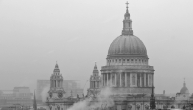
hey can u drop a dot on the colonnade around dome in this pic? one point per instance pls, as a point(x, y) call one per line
point(130, 82)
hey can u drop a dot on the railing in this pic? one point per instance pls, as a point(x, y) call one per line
point(128, 67)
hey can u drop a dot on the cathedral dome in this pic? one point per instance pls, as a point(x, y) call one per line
point(184, 89)
point(127, 45)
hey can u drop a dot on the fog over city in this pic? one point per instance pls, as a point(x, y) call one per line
point(34, 34)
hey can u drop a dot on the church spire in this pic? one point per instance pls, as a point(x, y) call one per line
point(56, 69)
point(95, 71)
point(127, 23)
point(127, 7)
point(34, 102)
point(95, 66)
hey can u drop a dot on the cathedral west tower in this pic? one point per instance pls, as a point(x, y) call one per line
point(127, 70)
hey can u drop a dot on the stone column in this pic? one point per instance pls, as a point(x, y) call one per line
point(128, 79)
point(120, 80)
point(125, 79)
point(111, 79)
point(107, 79)
point(115, 79)
point(58, 83)
point(102, 79)
point(140, 80)
point(144, 79)
point(131, 84)
point(147, 80)
point(136, 79)
point(153, 79)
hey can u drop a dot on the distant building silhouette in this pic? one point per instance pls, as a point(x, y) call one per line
point(19, 95)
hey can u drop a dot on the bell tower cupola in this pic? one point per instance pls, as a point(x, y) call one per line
point(56, 79)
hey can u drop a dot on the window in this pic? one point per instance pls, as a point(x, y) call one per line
point(127, 59)
point(131, 59)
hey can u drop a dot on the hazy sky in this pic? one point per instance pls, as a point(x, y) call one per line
point(34, 34)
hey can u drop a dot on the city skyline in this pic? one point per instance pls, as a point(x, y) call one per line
point(32, 40)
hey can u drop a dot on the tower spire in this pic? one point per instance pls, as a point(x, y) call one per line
point(34, 102)
point(152, 99)
point(184, 82)
point(127, 6)
point(127, 23)
point(95, 66)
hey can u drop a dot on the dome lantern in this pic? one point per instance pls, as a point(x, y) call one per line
point(127, 23)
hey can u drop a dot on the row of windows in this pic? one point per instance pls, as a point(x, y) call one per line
point(127, 60)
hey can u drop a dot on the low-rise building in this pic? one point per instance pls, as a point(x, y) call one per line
point(19, 95)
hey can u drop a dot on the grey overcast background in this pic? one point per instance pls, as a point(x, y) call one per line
point(34, 34)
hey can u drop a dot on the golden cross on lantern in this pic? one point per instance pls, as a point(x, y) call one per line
point(127, 4)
